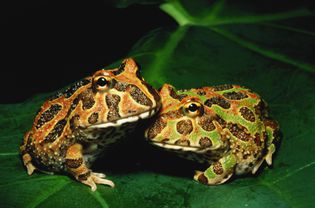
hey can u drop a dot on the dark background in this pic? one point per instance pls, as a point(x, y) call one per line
point(46, 45)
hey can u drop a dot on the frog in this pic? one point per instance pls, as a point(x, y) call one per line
point(227, 128)
point(74, 127)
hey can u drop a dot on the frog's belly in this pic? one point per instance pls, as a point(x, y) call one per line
point(96, 140)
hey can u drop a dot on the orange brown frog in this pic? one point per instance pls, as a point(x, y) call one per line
point(73, 127)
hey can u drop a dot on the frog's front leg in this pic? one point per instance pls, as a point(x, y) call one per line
point(75, 164)
point(218, 172)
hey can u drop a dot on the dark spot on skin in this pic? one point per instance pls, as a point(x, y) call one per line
point(245, 156)
point(272, 124)
point(139, 96)
point(120, 86)
point(152, 91)
point(74, 122)
point(239, 132)
point(182, 142)
point(235, 95)
point(221, 121)
point(202, 179)
point(56, 131)
point(257, 139)
point(156, 128)
point(261, 109)
point(87, 98)
point(48, 115)
point(218, 101)
point(247, 114)
point(201, 92)
point(74, 163)
point(112, 102)
point(70, 90)
point(120, 69)
point(29, 147)
point(222, 87)
point(184, 127)
point(172, 114)
point(176, 96)
point(84, 176)
point(206, 123)
point(205, 142)
point(93, 118)
point(217, 168)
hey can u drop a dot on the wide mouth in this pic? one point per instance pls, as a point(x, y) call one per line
point(178, 147)
point(130, 119)
point(175, 147)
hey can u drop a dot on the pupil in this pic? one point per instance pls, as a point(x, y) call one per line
point(101, 81)
point(192, 107)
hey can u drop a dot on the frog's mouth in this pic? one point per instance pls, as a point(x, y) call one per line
point(129, 119)
point(176, 146)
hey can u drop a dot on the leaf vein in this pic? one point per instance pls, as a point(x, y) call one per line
point(294, 172)
point(263, 51)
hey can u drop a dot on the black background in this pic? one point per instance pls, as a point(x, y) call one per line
point(46, 45)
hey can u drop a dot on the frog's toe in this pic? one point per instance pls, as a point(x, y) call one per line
point(90, 182)
point(97, 178)
point(100, 175)
point(101, 180)
point(30, 168)
point(27, 160)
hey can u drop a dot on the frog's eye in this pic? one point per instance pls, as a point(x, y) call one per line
point(101, 83)
point(193, 109)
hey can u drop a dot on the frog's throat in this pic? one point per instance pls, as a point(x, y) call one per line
point(130, 119)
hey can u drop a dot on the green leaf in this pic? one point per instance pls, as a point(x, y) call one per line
point(266, 48)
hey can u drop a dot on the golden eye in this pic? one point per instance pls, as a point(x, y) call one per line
point(193, 109)
point(101, 83)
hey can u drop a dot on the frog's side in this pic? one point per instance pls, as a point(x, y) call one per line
point(74, 126)
point(225, 126)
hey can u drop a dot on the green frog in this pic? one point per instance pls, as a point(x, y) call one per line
point(226, 127)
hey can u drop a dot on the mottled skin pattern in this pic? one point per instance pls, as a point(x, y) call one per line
point(226, 127)
point(75, 125)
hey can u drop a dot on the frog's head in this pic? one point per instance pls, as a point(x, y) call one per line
point(184, 121)
point(116, 96)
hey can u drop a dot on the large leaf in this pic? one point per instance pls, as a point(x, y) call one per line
point(266, 49)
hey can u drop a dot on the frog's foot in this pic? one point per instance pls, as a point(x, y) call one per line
point(27, 160)
point(96, 178)
point(76, 166)
point(219, 172)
